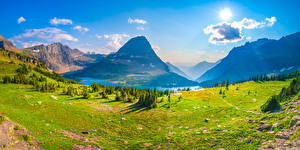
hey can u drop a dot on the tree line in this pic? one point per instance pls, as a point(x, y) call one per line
point(23, 58)
point(273, 103)
point(275, 77)
point(40, 79)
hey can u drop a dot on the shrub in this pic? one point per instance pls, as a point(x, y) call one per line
point(17, 128)
point(271, 105)
point(27, 138)
point(1, 119)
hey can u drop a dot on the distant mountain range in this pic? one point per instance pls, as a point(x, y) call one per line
point(199, 69)
point(263, 56)
point(58, 57)
point(136, 63)
point(174, 69)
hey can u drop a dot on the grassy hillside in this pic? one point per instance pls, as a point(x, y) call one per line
point(203, 119)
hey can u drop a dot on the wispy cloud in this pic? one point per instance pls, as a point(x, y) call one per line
point(232, 32)
point(251, 23)
point(115, 40)
point(140, 28)
point(48, 34)
point(56, 21)
point(81, 29)
point(137, 21)
point(98, 36)
point(21, 19)
point(30, 43)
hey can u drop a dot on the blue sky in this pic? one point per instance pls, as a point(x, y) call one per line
point(182, 32)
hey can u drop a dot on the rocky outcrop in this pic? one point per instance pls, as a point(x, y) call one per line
point(16, 137)
point(5, 44)
point(285, 139)
point(59, 57)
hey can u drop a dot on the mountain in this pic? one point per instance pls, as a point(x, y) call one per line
point(59, 57)
point(176, 70)
point(263, 56)
point(136, 63)
point(5, 44)
point(197, 70)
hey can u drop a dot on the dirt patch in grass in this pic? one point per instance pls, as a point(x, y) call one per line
point(103, 107)
point(86, 147)
point(75, 136)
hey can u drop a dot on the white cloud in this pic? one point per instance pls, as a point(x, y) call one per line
point(56, 21)
point(48, 34)
point(271, 21)
point(29, 43)
point(21, 19)
point(137, 21)
point(98, 36)
point(251, 23)
point(81, 29)
point(223, 33)
point(115, 40)
point(140, 28)
point(248, 38)
point(156, 48)
point(232, 32)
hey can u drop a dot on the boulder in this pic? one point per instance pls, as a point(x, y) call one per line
point(264, 127)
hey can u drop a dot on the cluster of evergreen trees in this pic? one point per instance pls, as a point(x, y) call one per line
point(23, 58)
point(275, 77)
point(40, 83)
point(146, 97)
point(286, 93)
point(41, 79)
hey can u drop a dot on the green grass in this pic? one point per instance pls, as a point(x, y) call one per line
point(295, 136)
point(232, 120)
point(2, 119)
point(27, 138)
point(17, 128)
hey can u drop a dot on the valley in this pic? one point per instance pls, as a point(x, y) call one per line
point(201, 118)
point(149, 75)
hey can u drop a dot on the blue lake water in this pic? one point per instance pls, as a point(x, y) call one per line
point(89, 81)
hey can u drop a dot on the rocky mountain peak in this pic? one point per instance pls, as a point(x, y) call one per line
point(5, 44)
point(136, 46)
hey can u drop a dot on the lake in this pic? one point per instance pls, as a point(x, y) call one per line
point(89, 81)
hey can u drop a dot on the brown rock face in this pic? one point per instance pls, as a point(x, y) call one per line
point(5, 44)
point(16, 137)
point(60, 58)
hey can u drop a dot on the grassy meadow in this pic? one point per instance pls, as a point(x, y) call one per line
point(210, 118)
point(203, 119)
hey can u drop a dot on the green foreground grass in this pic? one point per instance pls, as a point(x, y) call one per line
point(232, 119)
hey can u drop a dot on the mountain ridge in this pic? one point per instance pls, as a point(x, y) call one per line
point(137, 64)
point(6, 44)
point(259, 57)
point(59, 57)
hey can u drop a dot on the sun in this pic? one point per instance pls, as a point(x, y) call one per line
point(225, 14)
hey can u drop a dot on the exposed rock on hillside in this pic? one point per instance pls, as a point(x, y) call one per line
point(59, 57)
point(286, 138)
point(16, 137)
point(5, 44)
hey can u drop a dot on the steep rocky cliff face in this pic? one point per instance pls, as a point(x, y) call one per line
point(60, 58)
point(5, 44)
point(137, 64)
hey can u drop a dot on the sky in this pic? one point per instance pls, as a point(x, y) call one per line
point(181, 32)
